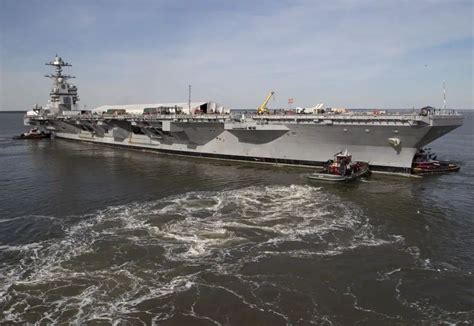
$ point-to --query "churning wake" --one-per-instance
(149, 262)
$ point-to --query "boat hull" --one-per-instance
(44, 136)
(339, 178)
(439, 168)
(306, 144)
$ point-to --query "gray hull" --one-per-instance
(305, 141)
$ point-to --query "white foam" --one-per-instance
(201, 228)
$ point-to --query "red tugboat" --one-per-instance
(426, 162)
(342, 169)
(33, 133)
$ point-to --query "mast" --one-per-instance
(444, 95)
(189, 98)
(63, 95)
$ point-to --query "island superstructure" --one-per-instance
(388, 142)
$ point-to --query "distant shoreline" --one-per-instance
(13, 111)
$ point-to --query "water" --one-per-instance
(91, 234)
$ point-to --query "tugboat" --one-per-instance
(341, 169)
(33, 133)
(425, 162)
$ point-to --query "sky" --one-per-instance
(355, 54)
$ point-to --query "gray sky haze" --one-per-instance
(356, 54)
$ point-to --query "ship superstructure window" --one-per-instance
(63, 86)
(67, 100)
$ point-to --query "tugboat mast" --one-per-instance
(444, 95)
(63, 95)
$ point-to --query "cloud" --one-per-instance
(340, 52)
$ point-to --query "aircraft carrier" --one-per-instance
(308, 137)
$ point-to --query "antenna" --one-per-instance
(189, 98)
(444, 95)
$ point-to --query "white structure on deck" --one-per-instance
(311, 110)
(170, 108)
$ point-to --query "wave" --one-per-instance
(107, 265)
